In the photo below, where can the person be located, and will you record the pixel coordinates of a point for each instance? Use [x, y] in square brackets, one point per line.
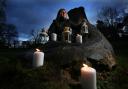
[59, 24]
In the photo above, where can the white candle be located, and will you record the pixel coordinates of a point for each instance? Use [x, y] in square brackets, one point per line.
[79, 38]
[38, 58]
[54, 37]
[88, 77]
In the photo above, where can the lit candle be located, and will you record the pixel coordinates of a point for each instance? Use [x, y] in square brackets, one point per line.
[38, 58]
[88, 77]
[79, 38]
[54, 37]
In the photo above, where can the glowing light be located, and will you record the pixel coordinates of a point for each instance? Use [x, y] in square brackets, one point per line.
[37, 50]
[85, 65]
[78, 34]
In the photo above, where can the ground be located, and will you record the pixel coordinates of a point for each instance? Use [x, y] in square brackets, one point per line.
[16, 73]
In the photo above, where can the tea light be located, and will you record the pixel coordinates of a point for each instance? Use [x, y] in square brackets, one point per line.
[54, 37]
[88, 77]
[38, 58]
[79, 38]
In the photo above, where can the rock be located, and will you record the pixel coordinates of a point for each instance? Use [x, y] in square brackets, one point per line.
[95, 50]
[63, 53]
[98, 48]
[66, 54]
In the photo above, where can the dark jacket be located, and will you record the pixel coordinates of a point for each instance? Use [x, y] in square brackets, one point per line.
[57, 27]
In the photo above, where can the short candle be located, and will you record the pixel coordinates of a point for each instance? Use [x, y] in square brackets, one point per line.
[79, 38]
[38, 58]
[54, 37]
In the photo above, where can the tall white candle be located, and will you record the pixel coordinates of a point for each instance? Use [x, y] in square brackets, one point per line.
[38, 58]
[88, 77]
[54, 37]
[79, 38]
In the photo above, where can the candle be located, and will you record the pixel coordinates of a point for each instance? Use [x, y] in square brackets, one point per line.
[79, 38]
[54, 37]
[88, 77]
[38, 58]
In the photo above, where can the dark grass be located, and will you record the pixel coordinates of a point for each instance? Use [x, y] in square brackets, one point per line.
[14, 74]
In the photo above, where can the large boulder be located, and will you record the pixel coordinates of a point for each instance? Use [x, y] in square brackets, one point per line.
[95, 50]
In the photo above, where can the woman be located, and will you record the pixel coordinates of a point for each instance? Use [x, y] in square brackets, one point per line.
[58, 24]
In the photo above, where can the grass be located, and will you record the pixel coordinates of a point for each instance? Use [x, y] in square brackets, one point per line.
[14, 74]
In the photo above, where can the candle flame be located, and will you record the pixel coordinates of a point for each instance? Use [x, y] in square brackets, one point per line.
[37, 50]
[85, 65]
[78, 34]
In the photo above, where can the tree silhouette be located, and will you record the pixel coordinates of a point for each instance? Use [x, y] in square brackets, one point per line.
[2, 11]
[8, 32]
[11, 34]
[35, 35]
[107, 15]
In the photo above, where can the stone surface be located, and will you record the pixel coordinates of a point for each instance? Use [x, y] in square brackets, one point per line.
[95, 49]
[98, 53]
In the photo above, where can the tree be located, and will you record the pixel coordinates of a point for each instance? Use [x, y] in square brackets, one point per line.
[35, 35]
[3, 26]
[11, 34]
[2, 11]
[8, 32]
[2, 21]
[107, 15]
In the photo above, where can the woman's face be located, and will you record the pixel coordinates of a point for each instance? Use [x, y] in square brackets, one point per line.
[63, 13]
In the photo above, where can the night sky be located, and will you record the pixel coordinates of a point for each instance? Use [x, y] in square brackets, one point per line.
[36, 14]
